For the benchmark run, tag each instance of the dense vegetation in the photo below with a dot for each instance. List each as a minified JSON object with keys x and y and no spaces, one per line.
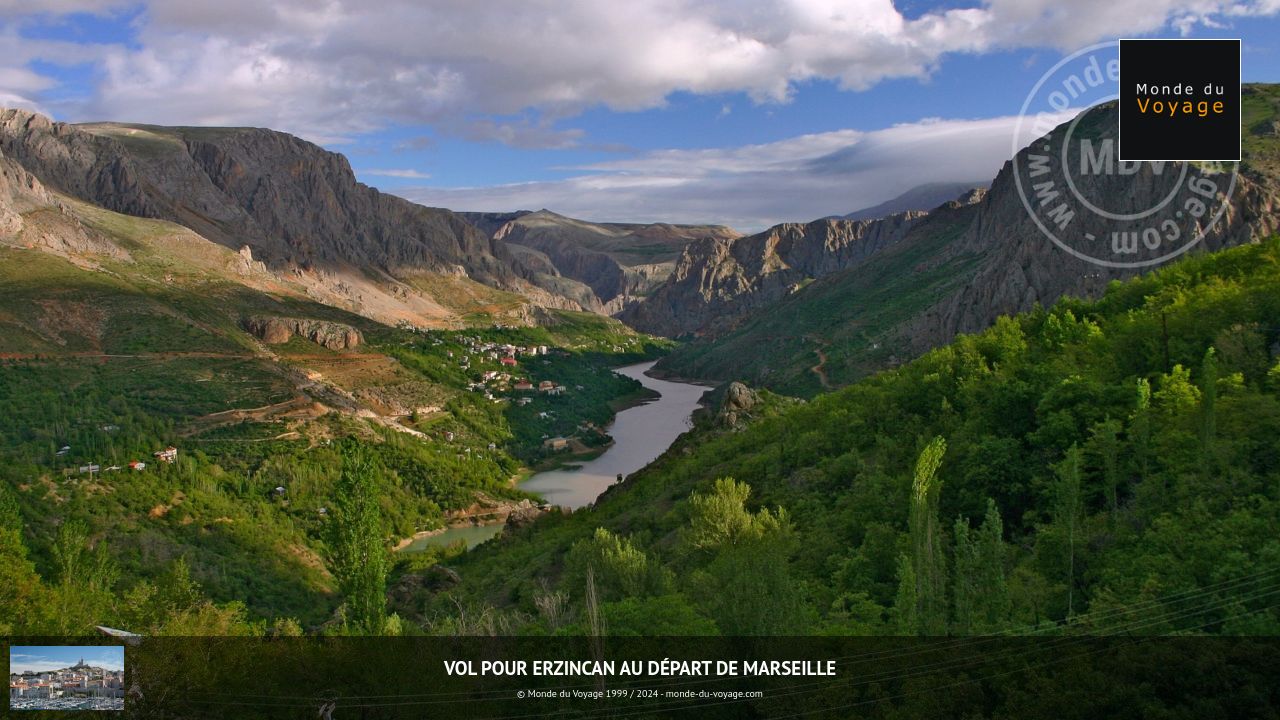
{"x":1112,"y":465}
{"x":114,"y":366}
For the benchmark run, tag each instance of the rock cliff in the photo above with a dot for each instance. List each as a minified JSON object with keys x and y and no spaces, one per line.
{"x":292,"y":202}
{"x":954,"y":270}
{"x":277,"y":330}
{"x":619,"y":263}
{"x":717,"y":281}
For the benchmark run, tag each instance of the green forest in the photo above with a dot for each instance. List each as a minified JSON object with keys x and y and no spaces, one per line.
{"x":1108,"y":466}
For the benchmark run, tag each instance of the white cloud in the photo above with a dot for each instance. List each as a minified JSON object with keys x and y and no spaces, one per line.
{"x":395,"y":173}
{"x":754,"y":186}
{"x":332,"y":68}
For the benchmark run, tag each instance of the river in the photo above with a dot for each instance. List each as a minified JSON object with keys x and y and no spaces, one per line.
{"x":640,"y":434}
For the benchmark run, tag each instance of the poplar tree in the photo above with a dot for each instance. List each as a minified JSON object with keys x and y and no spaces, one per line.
{"x":905,"y":602}
{"x":358,"y":554}
{"x":980,"y":593}
{"x":928,"y":561}
{"x":1140,"y":427}
{"x":1208,"y":398}
{"x":1106,"y":441}
{"x":1067,"y":509}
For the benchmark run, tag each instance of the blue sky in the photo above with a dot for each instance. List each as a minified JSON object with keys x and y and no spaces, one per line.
{"x":39,"y":658}
{"x":673,"y":110}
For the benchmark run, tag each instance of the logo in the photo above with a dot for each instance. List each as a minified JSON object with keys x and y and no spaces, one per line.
{"x":1112,"y":213}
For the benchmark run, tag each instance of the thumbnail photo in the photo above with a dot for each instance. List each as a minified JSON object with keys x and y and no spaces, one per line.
{"x":66,"y":677}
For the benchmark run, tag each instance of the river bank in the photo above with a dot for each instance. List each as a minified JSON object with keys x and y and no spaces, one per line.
{"x":640,"y":434}
{"x":648,"y":422}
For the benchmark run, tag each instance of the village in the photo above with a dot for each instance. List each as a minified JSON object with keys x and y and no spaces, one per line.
{"x":510,"y":382}
{"x":79,"y":687}
{"x":168,"y":455}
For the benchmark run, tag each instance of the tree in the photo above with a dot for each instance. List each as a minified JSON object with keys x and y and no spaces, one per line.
{"x":720,"y":517}
{"x":928,"y":561}
{"x":1106,"y":443}
{"x":1068,"y":507}
{"x":621,"y":569}
{"x":358,"y":554}
{"x":905,"y":604}
{"x":85,"y":577}
{"x":747,"y":588}
{"x":24,"y":598}
{"x":981,"y":595}
{"x":1208,"y":398}
{"x":1140,"y":428}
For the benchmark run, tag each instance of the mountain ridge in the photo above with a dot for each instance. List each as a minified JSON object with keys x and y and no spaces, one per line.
{"x":897,"y":305}
{"x":920,"y":197}
{"x":296,"y":207}
{"x":618,"y":262}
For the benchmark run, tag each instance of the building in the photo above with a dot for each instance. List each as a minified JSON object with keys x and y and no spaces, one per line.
{"x":135,"y":465}
{"x":508,"y":361}
{"x":168,"y":454}
{"x":524,"y":385}
{"x":556,"y":444}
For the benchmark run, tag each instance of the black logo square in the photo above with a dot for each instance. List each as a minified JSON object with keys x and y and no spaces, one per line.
{"x":1179,"y":100}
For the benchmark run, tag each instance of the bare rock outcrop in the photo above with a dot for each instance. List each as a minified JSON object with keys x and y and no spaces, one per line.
{"x":718,"y":281}
{"x":291,"y":202}
{"x":522,"y":517}
{"x":618,"y":262}
{"x":33,"y":217}
{"x":277,"y":330}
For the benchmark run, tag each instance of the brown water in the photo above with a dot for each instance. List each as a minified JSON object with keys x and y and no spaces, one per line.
{"x":640,"y":434}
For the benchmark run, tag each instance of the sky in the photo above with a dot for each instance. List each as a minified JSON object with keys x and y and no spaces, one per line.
{"x":745,"y":113}
{"x":38,"y":658}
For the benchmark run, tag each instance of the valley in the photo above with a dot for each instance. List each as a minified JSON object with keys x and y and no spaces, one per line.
{"x":236,"y":379}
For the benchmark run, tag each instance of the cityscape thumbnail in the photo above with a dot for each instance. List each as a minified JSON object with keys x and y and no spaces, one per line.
{"x":58,"y":677}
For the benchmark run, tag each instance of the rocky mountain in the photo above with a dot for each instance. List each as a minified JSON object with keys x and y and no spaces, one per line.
{"x":616,"y":262}
{"x":32,"y":217}
{"x":959,"y":268}
{"x":297,"y":208}
{"x":718,"y":281}
{"x":921,"y":197}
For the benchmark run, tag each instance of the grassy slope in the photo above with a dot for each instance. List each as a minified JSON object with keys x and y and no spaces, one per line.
{"x":117,"y":357}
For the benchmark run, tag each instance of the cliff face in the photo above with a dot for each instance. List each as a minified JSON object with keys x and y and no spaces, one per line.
{"x":953,"y":271}
{"x":292,"y":202}
{"x":32,"y":217}
{"x":277,"y":330}
{"x":619,"y":263}
{"x":1021,"y":267}
{"x":717,"y":282}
